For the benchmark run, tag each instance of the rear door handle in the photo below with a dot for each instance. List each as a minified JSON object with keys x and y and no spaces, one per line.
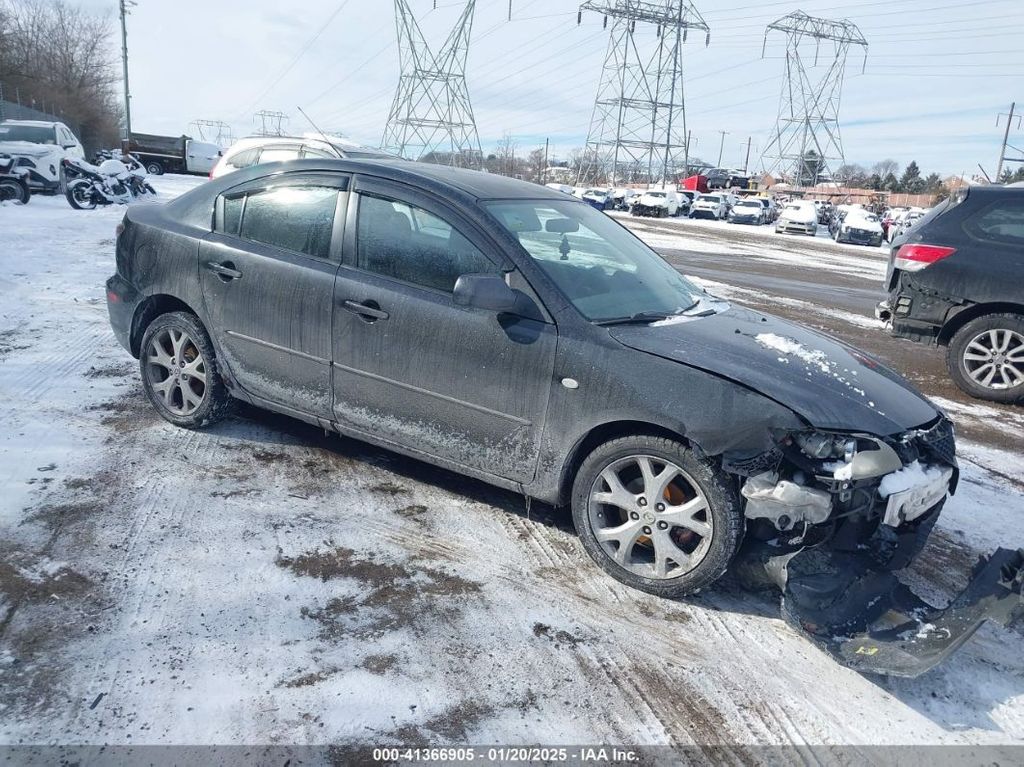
{"x":225,"y":271}
{"x":365,"y":311}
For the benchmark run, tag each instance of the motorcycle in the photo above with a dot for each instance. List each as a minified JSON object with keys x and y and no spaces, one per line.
{"x":112,"y":182}
{"x":13,"y":185}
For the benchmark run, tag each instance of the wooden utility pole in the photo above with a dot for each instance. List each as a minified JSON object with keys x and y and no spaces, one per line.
{"x":1006,"y":140}
{"x":124,"y":61}
{"x":721,"y":147}
{"x":746,"y":162}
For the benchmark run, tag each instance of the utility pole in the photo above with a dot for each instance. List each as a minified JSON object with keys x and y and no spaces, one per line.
{"x":124,"y":6}
{"x":1006,"y":140}
{"x":686,"y":154}
{"x":746,"y":162}
{"x":543,"y":173}
{"x":721,"y":147}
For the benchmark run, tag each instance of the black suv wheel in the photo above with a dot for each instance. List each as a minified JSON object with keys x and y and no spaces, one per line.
{"x":986,"y":357}
{"x":655,"y":516}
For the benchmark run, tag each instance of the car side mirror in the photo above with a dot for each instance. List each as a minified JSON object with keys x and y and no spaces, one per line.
{"x":484,"y":291}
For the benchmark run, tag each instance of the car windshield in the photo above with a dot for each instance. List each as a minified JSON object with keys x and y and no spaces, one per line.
{"x":603,"y":270}
{"x":35,"y":134}
{"x":655,"y":194}
{"x":708,"y":198}
{"x":756,"y":205}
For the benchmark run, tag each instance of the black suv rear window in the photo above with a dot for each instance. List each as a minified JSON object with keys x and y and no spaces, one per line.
{"x":1002,"y":221}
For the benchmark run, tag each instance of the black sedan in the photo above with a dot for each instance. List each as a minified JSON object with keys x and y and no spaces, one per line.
{"x":510,"y":333}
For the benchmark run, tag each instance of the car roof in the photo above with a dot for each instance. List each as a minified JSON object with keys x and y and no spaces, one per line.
{"x":471,"y":183}
{"x":35,"y":123}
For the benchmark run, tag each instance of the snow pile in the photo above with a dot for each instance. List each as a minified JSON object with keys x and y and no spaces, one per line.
{"x":911,"y":476}
{"x":813,"y":357}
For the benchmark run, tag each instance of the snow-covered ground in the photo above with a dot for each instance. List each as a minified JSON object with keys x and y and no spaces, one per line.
{"x":260,"y":582}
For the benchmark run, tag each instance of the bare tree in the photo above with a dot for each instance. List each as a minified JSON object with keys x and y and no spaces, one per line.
{"x":505,"y":155}
{"x":885,"y":168}
{"x":59,"y":56}
{"x":535,"y":160}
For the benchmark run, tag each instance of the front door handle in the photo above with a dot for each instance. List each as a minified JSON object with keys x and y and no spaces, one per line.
{"x":225,"y":271}
{"x":367,"y":311}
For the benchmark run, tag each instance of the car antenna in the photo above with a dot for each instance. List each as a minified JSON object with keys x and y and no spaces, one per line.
{"x":322,"y":134}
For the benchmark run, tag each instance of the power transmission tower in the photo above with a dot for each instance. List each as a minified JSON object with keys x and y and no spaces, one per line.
{"x":270,"y":122}
{"x":639,"y":119}
{"x":806,"y":141}
{"x":215,"y":131}
{"x":431,"y":117}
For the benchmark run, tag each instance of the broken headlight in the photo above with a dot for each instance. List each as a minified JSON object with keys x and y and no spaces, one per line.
{"x":824,"y":446}
{"x":841,"y":456}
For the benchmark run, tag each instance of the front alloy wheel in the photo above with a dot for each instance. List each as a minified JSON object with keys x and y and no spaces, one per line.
{"x":986,"y":357}
{"x":650,"y":517}
{"x":655,"y":516}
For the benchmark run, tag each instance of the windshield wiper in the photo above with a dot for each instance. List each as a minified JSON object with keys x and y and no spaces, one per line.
{"x":641,"y":318}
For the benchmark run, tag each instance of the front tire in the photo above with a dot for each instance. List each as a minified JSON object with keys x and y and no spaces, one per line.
{"x":986,"y":358}
{"x":656,"y":517}
{"x":154,"y":168}
{"x":79,"y":194}
{"x":14,"y":191}
{"x":180,"y":373}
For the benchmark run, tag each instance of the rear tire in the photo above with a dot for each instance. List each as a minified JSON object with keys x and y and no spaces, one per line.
{"x":154,"y":168}
{"x":180,"y":373}
{"x":667,"y":539}
{"x":986,"y":358}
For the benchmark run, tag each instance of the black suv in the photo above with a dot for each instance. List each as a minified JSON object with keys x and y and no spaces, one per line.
{"x":956,"y":278}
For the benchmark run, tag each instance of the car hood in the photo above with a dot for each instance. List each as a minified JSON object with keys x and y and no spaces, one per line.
{"x":829,"y":384}
{"x":799,"y":216}
{"x":26,"y":148}
{"x":649,"y":200}
{"x":863,"y":225}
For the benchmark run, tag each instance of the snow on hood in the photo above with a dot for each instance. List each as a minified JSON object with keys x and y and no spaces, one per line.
{"x":829,"y":384}
{"x":861,"y":222}
{"x":26,"y":148}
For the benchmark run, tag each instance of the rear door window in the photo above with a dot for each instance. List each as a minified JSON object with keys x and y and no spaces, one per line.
{"x":296,"y":218}
{"x":279,"y":154}
{"x":244,"y":158}
{"x":1002,"y":222}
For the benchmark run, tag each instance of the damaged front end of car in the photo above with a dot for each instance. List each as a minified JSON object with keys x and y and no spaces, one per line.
{"x":832,"y":518}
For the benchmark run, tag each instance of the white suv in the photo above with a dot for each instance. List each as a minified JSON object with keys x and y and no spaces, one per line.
{"x":260,"y":150}
{"x":39,"y":148}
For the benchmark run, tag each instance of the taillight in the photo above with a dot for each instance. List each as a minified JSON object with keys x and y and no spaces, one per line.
{"x":914,"y":258}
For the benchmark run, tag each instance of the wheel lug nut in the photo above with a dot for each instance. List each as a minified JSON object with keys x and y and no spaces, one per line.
{"x":647,"y":531}
{"x":642,"y":502}
{"x":634,"y":515}
{"x":659,"y":507}
{"x":663,"y":525}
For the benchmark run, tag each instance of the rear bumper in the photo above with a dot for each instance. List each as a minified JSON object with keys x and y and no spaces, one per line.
{"x":122,"y":300}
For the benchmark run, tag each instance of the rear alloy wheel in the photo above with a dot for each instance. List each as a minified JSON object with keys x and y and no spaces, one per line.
{"x":179,"y":372}
{"x":656,"y":517}
{"x":986,"y":357}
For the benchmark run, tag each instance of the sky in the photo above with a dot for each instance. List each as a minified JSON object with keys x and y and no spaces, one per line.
{"x":938,"y":72}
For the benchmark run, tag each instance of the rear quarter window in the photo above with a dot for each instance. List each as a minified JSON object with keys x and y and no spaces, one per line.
{"x":1002,"y":221}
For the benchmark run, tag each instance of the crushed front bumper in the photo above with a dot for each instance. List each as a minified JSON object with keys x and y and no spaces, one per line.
{"x":870,"y":621}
